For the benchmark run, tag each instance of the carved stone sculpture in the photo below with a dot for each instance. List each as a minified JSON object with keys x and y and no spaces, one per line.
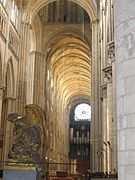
{"x":28,"y":135}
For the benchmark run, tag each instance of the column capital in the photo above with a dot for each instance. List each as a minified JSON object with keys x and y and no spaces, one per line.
{"x":38,"y":53}
{"x":95,"y":21}
{"x":26,"y":23}
{"x":2,"y":89}
{"x":10,"y":98}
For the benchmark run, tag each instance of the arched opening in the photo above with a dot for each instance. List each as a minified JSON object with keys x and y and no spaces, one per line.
{"x":80,"y":117}
{"x":62,"y":48}
{"x":68,"y":76}
{"x":89,"y":6}
{"x":65,"y":59}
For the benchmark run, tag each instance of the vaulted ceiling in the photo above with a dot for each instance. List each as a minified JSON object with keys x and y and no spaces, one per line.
{"x":68,"y":53}
{"x":69,"y":63}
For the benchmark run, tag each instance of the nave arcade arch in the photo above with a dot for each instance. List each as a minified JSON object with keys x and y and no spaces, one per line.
{"x":66,"y":62}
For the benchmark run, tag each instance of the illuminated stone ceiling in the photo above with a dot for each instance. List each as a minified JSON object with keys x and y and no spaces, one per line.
{"x":68,"y":54}
{"x":33,"y":6}
{"x":69,"y":62}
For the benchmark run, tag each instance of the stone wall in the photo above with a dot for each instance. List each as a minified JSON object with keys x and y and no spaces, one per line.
{"x":125,"y":78}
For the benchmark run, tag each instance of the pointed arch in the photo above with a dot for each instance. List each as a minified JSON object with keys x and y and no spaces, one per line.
{"x":9,"y":79}
{"x":34,"y":6}
{"x":66,"y":31}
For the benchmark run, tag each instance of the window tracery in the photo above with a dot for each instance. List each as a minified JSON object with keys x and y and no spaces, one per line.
{"x":82,"y":112}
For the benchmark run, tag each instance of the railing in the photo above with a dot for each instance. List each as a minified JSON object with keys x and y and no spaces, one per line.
{"x":3,"y":21}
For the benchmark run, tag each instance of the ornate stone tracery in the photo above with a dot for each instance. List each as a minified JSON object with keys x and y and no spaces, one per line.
{"x":107,"y":74}
{"x":103,"y":91}
{"x":111,"y":53}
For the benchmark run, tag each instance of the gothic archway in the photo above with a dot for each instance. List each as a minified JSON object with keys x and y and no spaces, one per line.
{"x":41,"y":58}
{"x":33,"y":7}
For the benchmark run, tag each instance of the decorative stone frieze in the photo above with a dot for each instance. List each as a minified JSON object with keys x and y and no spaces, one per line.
{"x":108,"y":74}
{"x":111,"y":58}
{"x":2,"y":88}
{"x":111,"y":53}
{"x":103,"y":91}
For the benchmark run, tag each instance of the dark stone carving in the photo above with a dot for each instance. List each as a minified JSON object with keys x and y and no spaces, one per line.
{"x":111,"y":53}
{"x":103,"y":91}
{"x":28,"y":131}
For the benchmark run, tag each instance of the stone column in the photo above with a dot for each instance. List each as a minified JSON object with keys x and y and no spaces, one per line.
{"x":95,"y":129}
{"x":22,"y":67}
{"x":113,"y":124}
{"x":36,"y":78}
{"x":124,"y":25}
{"x":109,"y":139}
{"x":107,"y":119}
{"x":102,"y":149}
{"x":109,"y":122}
{"x":2,"y":88}
{"x":8,"y":130}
